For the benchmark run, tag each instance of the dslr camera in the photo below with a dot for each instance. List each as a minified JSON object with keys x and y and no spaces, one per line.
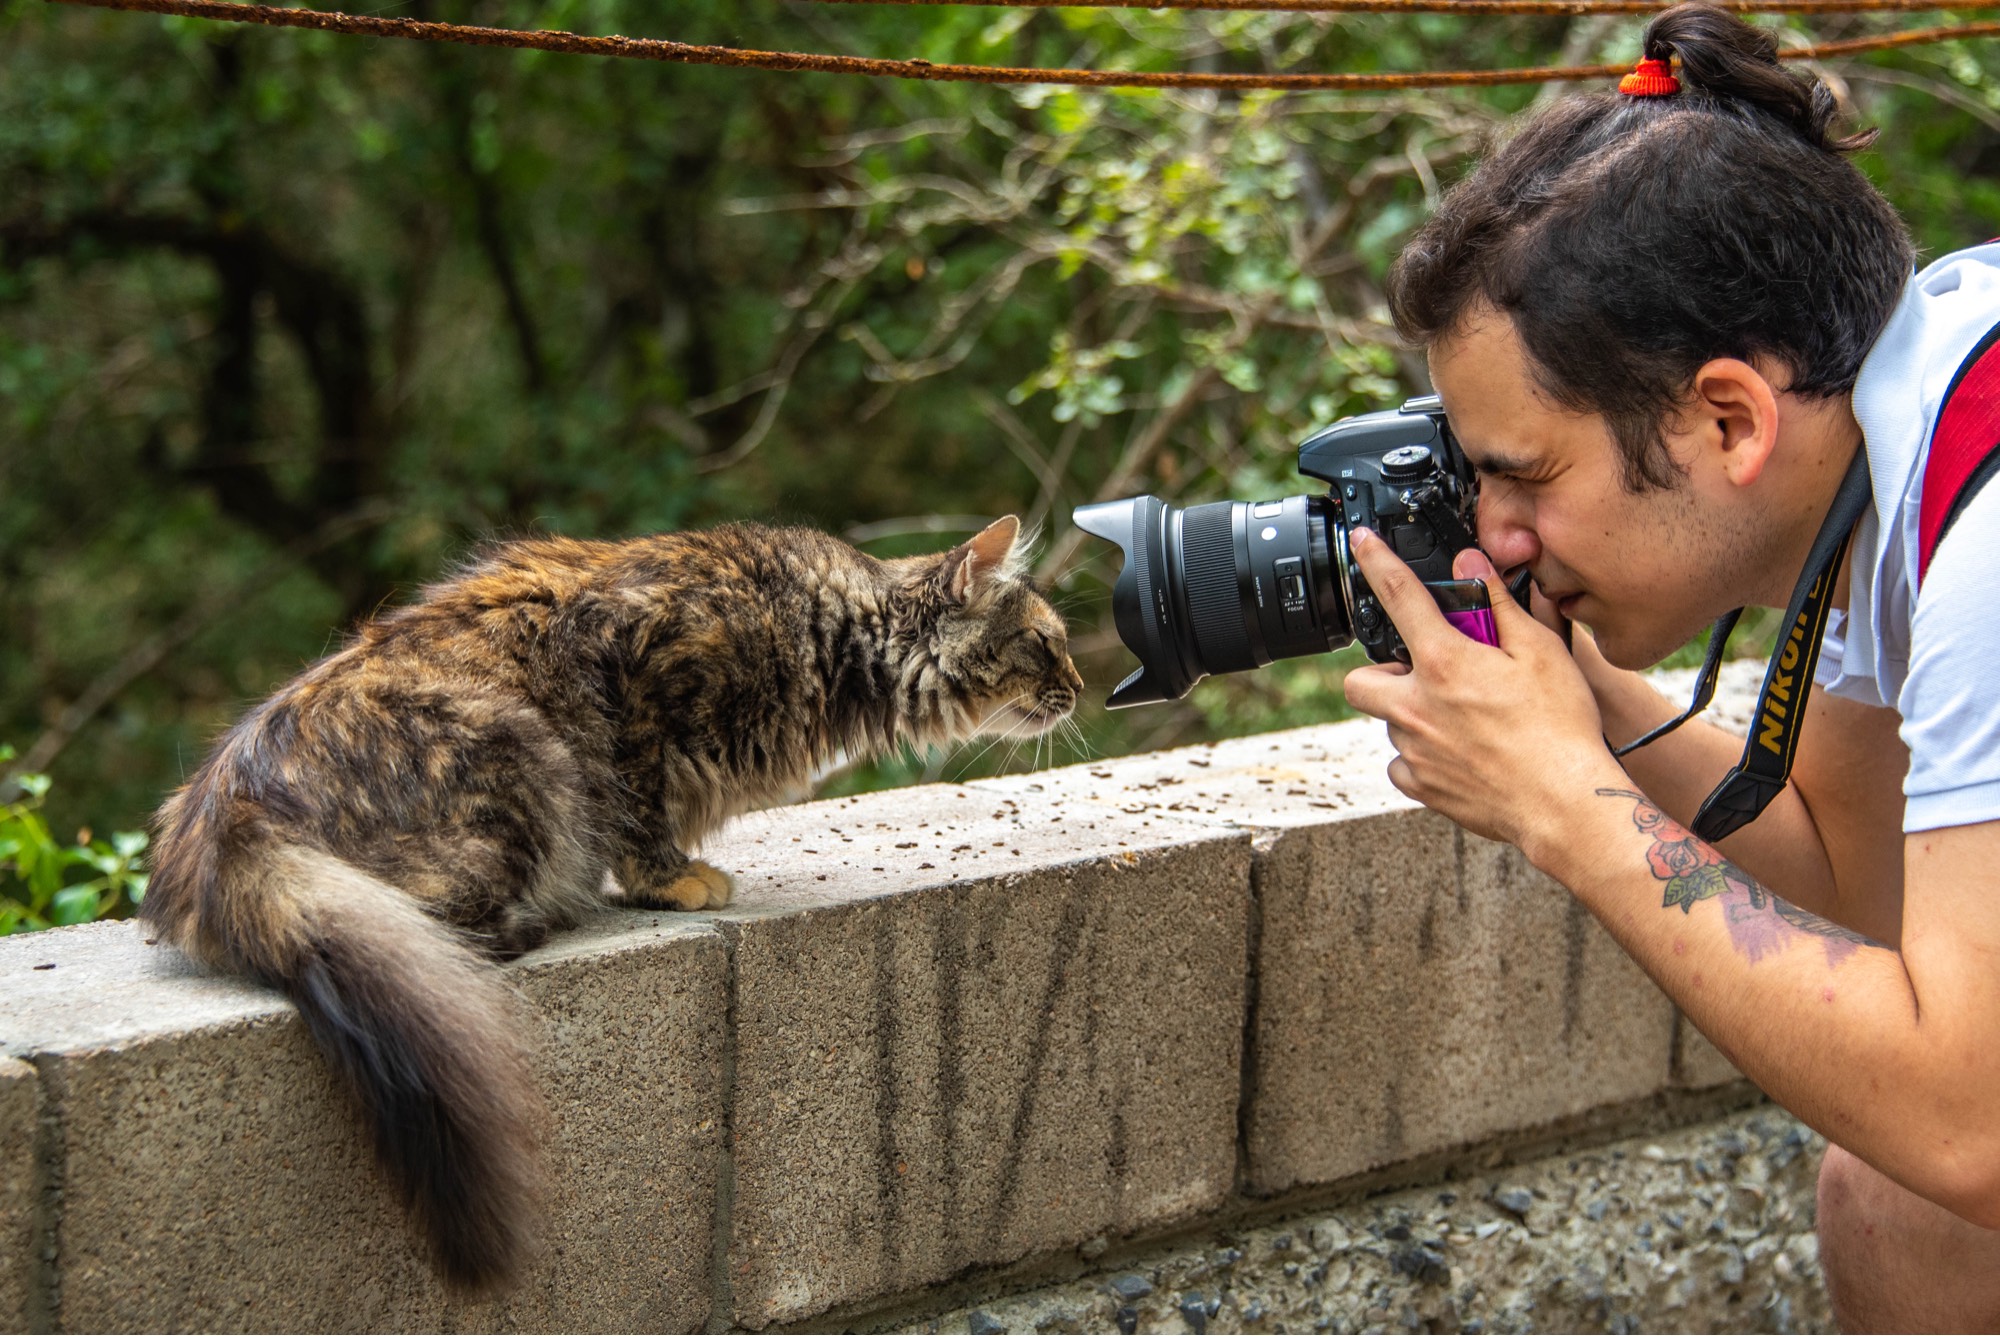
{"x":1233,"y":585}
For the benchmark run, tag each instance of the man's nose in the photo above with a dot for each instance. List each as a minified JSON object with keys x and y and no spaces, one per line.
{"x":1505,"y":537}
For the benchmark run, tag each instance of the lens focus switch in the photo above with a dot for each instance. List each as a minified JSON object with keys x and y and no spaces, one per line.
{"x":1291,"y":580}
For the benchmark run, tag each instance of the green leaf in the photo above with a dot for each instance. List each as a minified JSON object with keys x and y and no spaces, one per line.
{"x":1711,"y":881}
{"x":46,"y":877}
{"x":74,"y":904}
{"x":1701,"y":884}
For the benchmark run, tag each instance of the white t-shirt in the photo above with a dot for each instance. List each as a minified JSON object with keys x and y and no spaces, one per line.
{"x":1931,"y":655}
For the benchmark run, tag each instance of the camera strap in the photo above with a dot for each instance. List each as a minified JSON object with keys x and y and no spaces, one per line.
{"x":1761,"y":775}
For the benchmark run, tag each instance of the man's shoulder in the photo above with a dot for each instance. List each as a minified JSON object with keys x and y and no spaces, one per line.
{"x":1945,"y":310}
{"x":1950,"y":700}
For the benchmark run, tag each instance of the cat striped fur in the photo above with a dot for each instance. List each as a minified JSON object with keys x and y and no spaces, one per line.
{"x":457,"y":782}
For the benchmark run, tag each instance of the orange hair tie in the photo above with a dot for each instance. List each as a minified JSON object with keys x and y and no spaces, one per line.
{"x":1650,"y":78}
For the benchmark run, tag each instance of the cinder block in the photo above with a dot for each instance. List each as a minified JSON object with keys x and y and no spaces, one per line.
{"x":1417,"y":988}
{"x":20,"y":1109}
{"x":969,"y":1029}
{"x":214,"y":1178}
{"x":1563,"y":1020}
{"x":1699,"y":1064}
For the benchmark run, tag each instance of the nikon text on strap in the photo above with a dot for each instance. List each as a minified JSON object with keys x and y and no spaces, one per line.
{"x":1760,"y":776}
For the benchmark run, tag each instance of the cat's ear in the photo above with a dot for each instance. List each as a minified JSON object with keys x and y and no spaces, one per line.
{"x":980,"y":558}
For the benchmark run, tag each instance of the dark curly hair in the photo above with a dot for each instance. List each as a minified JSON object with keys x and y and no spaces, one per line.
{"x":1632,"y":239}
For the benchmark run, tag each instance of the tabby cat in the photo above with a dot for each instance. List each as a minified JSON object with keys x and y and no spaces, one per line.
{"x":459,"y":780}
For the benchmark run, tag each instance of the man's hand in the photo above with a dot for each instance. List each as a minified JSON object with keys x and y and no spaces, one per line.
{"x":1500,"y":739}
{"x":1900,"y":1069}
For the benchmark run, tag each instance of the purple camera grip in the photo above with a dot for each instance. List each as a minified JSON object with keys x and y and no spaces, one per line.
{"x":1477,"y":623}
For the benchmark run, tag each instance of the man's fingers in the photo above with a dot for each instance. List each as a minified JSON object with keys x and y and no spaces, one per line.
{"x":1403,"y":596}
{"x":1404,"y":778}
{"x":1375,"y":688}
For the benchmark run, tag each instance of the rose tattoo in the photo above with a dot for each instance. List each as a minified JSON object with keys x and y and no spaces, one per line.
{"x":1760,"y":923}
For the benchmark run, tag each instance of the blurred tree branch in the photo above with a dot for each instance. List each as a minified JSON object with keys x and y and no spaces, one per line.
{"x":211,"y":608}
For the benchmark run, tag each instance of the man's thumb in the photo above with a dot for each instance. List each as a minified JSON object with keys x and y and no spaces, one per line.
{"x":1472,"y":564}
{"x":1475,"y":565}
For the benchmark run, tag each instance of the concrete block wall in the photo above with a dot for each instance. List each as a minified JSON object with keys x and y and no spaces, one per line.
{"x":20,"y":1261}
{"x":1418,"y":988}
{"x":942,"y":1030}
{"x":996,"y":1028}
{"x":205,"y":1173}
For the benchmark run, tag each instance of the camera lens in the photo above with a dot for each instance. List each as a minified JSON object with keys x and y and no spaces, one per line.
{"x":1219,"y":588}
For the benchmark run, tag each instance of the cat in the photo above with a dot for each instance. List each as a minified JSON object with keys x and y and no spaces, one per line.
{"x":457,"y":782}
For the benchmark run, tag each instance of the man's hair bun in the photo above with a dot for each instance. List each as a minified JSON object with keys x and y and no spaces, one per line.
{"x":1727,"y":60}
{"x":1632,"y":236}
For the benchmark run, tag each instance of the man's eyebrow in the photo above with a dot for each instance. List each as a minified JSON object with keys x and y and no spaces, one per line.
{"x":1497,"y":461}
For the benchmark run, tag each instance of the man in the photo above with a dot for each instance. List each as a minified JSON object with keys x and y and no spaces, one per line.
{"x":1664,"y":325}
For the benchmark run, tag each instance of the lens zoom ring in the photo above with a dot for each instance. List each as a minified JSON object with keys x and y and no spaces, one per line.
{"x":1214,"y":604}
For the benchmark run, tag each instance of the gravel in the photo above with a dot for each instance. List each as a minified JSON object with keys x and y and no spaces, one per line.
{"x":1705,"y":1229}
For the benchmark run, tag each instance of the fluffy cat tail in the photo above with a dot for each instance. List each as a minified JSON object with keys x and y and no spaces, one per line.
{"x":419,"y":1028}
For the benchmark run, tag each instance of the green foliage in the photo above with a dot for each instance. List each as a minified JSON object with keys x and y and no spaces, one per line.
{"x":45,"y":883}
{"x":289,"y":322}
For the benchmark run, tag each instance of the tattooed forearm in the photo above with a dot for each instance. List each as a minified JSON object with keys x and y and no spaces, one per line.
{"x":1760,"y":923}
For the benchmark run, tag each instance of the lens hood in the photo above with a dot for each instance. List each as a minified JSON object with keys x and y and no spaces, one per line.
{"x":1142,"y":601}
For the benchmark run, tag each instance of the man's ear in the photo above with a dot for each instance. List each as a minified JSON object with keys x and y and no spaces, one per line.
{"x":1735,"y":415}
{"x":980,"y":558}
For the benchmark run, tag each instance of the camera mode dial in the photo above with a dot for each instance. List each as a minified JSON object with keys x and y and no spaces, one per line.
{"x":1407,"y":463}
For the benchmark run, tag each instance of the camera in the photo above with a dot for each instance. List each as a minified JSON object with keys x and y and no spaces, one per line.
{"x":1234,"y":585}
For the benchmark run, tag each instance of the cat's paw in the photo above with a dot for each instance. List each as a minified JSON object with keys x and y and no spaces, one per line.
{"x":689,"y":885}
{"x":700,"y":887}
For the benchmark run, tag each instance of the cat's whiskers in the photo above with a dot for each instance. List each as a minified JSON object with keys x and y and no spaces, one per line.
{"x":1021,"y":722}
{"x":1068,"y":730}
{"x":965,"y":767}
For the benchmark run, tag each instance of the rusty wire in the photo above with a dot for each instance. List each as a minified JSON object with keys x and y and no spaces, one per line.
{"x":643,"y":48}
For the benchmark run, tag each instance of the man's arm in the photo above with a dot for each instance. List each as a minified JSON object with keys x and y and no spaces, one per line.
{"x":1831,"y":842}
{"x":1889,"y":1052}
